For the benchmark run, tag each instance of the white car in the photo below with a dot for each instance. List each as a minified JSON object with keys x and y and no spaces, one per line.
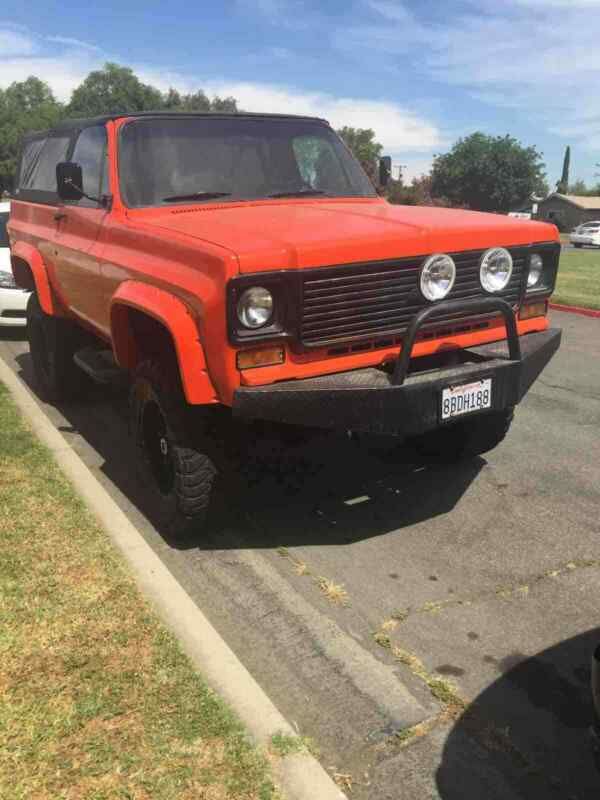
{"x":13,"y":301}
{"x":588,"y":233}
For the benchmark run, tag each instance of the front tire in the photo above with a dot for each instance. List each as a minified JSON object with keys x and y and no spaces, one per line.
{"x":171,"y":454}
{"x":467,"y":438}
{"x":52,"y":343}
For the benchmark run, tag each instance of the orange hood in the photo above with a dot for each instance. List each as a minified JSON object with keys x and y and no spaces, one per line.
{"x":297,"y":234}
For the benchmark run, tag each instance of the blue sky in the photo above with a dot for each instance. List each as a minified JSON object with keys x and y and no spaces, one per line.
{"x":420,"y":74}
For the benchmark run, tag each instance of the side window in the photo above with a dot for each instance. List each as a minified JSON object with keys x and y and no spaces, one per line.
{"x":29,"y":162}
{"x":43,"y":173}
{"x":90,"y":153}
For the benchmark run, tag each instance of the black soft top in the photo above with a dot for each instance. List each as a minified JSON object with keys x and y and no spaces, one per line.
{"x":80,"y":124}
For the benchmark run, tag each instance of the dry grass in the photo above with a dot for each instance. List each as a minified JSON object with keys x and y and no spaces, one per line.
{"x":334,"y":592}
{"x":98,"y":701}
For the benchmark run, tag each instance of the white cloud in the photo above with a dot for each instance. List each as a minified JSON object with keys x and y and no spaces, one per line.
{"x":412,"y":168}
{"x":63,"y":64}
{"x":76,"y":43}
{"x":525,"y":55}
{"x":291,"y":14}
{"x":397,"y":128}
{"x":560,"y":3}
{"x":15,"y":43}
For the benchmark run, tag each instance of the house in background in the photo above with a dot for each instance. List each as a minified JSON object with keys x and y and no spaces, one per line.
{"x":567,"y":211}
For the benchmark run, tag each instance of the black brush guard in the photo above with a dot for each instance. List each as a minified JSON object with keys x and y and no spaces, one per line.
{"x":407,"y":403}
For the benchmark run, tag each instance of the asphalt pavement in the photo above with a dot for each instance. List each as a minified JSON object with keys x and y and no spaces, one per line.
{"x":350,"y":573}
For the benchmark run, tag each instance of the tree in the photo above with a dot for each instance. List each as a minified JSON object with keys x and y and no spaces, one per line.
{"x":418,"y":193}
{"x":116,"y":90}
{"x":563,"y":184}
{"x":113,"y":90}
{"x":25,"y":106}
{"x":488,"y":173}
{"x":365,"y":148}
{"x":578,"y":188}
{"x":174,"y":101}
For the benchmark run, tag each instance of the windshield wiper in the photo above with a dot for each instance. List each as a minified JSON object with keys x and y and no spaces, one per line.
{"x":299,"y":193}
{"x":195,"y":196}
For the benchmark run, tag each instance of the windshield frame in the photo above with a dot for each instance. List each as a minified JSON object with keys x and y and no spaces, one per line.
{"x":236,"y":199}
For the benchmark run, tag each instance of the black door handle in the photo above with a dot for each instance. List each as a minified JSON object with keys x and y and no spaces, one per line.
{"x":58,"y":215}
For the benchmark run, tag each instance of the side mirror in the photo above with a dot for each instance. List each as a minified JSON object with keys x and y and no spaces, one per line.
{"x":69,"y":180}
{"x":385,"y":170}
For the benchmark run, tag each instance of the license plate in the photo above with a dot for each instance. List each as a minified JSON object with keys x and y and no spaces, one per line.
{"x":459,"y":400}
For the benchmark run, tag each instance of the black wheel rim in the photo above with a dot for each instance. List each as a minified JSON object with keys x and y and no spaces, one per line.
{"x":158,"y":447}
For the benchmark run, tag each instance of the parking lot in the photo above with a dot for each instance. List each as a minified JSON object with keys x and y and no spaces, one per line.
{"x":429,"y":627}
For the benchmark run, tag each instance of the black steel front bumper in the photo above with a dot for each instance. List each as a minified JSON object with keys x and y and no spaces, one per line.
{"x":405,"y":402}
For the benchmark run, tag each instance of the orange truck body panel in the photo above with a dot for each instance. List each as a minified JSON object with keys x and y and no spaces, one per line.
{"x":174,"y":264}
{"x":177,"y":318}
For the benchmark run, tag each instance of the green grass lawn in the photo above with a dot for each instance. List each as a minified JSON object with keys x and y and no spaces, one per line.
{"x":97,"y":701}
{"x":579,"y":279}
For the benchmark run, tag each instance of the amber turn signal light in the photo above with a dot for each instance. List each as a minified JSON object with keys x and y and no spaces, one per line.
{"x":533,"y":310}
{"x":265,"y":357}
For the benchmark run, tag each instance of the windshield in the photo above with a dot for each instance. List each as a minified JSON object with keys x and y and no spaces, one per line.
{"x":170,"y":160}
{"x":3,"y":231}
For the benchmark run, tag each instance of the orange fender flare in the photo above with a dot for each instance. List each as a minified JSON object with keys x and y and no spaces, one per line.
{"x":177,"y":318}
{"x":22,"y":251}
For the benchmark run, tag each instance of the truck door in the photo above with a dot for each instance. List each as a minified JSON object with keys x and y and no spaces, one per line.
{"x":78,"y":224}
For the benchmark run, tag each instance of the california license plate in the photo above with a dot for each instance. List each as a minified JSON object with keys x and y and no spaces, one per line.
{"x":459,"y":400}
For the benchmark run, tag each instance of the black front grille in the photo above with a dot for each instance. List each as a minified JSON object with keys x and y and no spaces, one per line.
{"x":364,"y":301}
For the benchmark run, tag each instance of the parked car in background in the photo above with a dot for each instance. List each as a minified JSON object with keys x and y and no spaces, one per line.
{"x":13,"y":300}
{"x":588,"y":233}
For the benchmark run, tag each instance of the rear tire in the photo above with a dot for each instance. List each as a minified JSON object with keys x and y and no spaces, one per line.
{"x":52,"y":344}
{"x":577,"y":245}
{"x":467,"y":438}
{"x":173,"y":455}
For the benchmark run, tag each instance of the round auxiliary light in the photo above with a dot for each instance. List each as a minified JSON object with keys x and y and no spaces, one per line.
{"x":437,"y":276}
{"x":255,"y":307}
{"x":496,"y":269}
{"x":536,"y":266}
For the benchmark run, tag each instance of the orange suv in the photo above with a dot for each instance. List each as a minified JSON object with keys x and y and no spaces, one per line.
{"x":244,"y":266}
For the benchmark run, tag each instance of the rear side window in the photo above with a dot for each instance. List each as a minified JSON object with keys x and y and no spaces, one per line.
{"x":90,"y":154}
{"x":29,"y":161}
{"x":3,"y":231}
{"x":43,"y":178}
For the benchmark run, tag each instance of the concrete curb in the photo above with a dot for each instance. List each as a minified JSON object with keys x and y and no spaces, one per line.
{"x":300,"y":776}
{"x":584,"y":312}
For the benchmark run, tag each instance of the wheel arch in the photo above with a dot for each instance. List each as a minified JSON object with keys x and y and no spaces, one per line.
{"x":30,"y":273}
{"x":140,"y":316}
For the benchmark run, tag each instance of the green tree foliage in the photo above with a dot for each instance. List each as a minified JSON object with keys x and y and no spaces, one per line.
{"x":563,"y":184}
{"x":174,"y":101}
{"x":578,"y":188}
{"x":365,"y":148}
{"x":115,"y":90}
{"x":581,"y":189}
{"x":27,"y":105}
{"x":417,"y":193}
{"x":488,"y":173}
